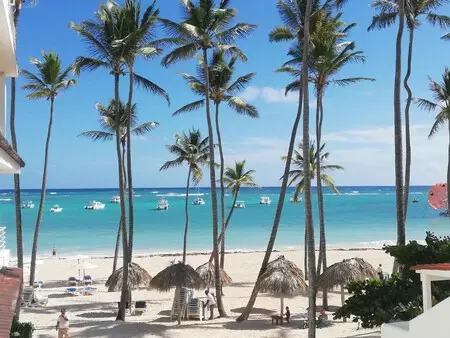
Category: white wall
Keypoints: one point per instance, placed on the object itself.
(3, 104)
(4, 257)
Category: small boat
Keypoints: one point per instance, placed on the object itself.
(27, 205)
(56, 208)
(415, 200)
(115, 199)
(239, 204)
(264, 199)
(293, 200)
(198, 201)
(163, 204)
(94, 205)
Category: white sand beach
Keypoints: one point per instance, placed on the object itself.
(94, 316)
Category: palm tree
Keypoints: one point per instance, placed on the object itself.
(441, 95)
(206, 27)
(107, 123)
(49, 81)
(386, 16)
(295, 15)
(329, 55)
(234, 179)
(105, 36)
(194, 151)
(222, 89)
(140, 28)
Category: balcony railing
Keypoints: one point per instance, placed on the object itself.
(2, 238)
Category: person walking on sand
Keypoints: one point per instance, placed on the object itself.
(380, 272)
(210, 303)
(54, 252)
(62, 325)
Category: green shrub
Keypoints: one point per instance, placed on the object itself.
(21, 330)
(375, 302)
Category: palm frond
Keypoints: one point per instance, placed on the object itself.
(151, 87)
(144, 128)
(281, 34)
(97, 135)
(190, 107)
(351, 80)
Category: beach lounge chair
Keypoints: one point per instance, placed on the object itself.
(39, 300)
(73, 291)
(89, 291)
(184, 292)
(140, 307)
(195, 309)
(72, 281)
(38, 283)
(88, 280)
(27, 296)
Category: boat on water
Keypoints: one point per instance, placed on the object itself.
(95, 205)
(27, 205)
(415, 200)
(115, 199)
(199, 201)
(294, 201)
(163, 204)
(265, 200)
(56, 208)
(239, 204)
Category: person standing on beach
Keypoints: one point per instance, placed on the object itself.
(380, 272)
(62, 325)
(210, 303)
(54, 252)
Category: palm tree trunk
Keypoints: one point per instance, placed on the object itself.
(322, 264)
(407, 125)
(222, 189)
(17, 199)
(305, 259)
(124, 297)
(307, 179)
(186, 213)
(42, 200)
(116, 249)
(398, 129)
(276, 222)
(222, 234)
(212, 174)
(129, 169)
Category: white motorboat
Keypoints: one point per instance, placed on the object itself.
(264, 199)
(199, 201)
(115, 199)
(294, 201)
(95, 205)
(27, 205)
(163, 204)
(56, 208)
(239, 204)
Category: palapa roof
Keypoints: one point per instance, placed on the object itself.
(206, 272)
(179, 274)
(138, 277)
(10, 282)
(283, 278)
(349, 270)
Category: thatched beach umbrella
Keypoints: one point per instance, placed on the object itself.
(177, 276)
(283, 279)
(206, 271)
(349, 270)
(137, 278)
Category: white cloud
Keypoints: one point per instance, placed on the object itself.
(367, 154)
(269, 94)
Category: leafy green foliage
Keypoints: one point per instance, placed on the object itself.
(375, 302)
(21, 330)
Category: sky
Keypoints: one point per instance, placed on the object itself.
(358, 120)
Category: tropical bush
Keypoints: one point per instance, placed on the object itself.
(374, 302)
(21, 330)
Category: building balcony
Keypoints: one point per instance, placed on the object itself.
(8, 64)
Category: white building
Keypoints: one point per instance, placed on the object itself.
(10, 161)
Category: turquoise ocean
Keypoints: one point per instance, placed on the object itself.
(358, 217)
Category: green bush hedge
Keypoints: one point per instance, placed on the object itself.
(21, 330)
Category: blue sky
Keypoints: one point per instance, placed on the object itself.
(357, 126)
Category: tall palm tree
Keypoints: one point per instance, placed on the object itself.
(193, 150)
(234, 179)
(387, 13)
(441, 95)
(222, 89)
(205, 28)
(139, 41)
(105, 37)
(49, 81)
(294, 15)
(108, 126)
(330, 53)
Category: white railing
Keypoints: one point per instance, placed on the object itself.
(2, 238)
